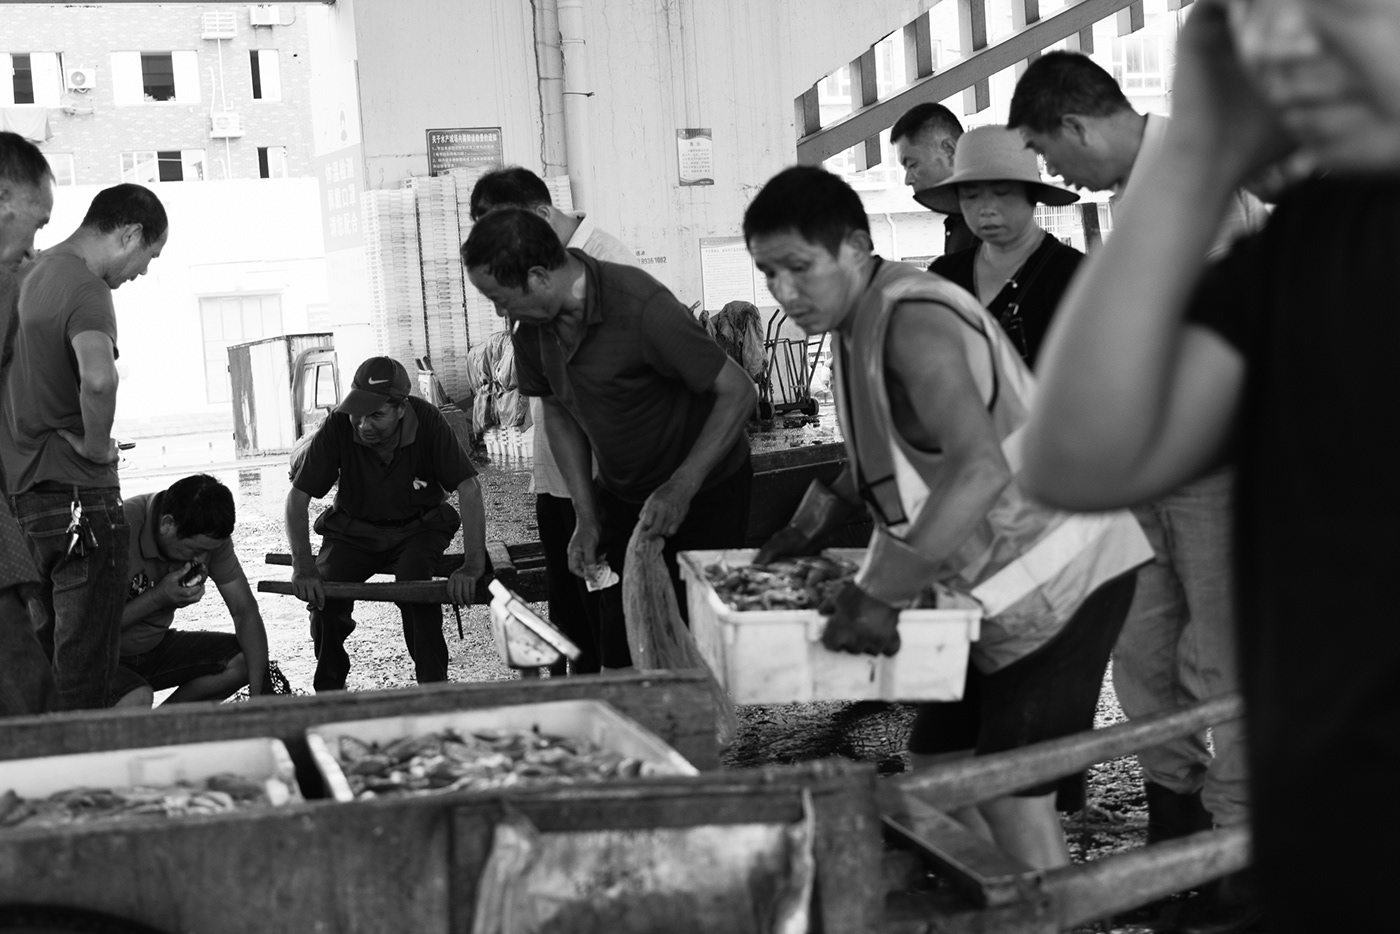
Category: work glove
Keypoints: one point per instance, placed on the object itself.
(820, 513)
(859, 623)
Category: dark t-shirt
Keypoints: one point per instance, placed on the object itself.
(957, 236)
(59, 299)
(639, 382)
(428, 464)
(1310, 302)
(1025, 306)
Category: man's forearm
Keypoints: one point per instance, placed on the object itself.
(473, 512)
(1108, 362)
(734, 402)
(98, 402)
(298, 526)
(572, 454)
(958, 501)
(147, 604)
(252, 639)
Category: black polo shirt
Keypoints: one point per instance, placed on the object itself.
(428, 463)
(639, 381)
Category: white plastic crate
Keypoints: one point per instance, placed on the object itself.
(776, 656)
(595, 721)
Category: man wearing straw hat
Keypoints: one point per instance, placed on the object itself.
(1018, 272)
(931, 400)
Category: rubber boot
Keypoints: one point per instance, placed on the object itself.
(1227, 906)
(1171, 814)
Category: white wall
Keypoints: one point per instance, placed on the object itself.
(732, 65)
(226, 238)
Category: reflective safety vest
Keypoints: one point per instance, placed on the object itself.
(1031, 567)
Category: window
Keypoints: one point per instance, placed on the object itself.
(327, 395)
(158, 76)
(61, 164)
(1137, 64)
(233, 320)
(272, 161)
(267, 80)
(23, 79)
(163, 165)
(30, 78)
(155, 77)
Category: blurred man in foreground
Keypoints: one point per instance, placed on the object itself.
(1277, 358)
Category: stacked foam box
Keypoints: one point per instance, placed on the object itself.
(396, 281)
(441, 269)
(481, 318)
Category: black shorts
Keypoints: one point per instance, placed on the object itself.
(1050, 693)
(179, 657)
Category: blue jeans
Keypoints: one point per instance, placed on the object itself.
(82, 597)
(1178, 645)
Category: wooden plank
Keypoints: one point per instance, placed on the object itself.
(1131, 19)
(973, 780)
(1023, 13)
(1090, 892)
(814, 148)
(865, 90)
(676, 706)
(972, 38)
(986, 875)
(918, 50)
(1093, 234)
(808, 111)
(433, 591)
(1083, 41)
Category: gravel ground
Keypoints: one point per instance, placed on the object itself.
(1114, 820)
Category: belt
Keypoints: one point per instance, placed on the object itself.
(66, 489)
(393, 523)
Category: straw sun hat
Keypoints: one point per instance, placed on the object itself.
(992, 154)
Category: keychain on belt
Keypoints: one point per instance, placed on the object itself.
(80, 535)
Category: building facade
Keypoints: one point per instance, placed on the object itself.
(210, 106)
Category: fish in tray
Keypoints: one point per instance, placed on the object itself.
(788, 584)
(214, 795)
(479, 760)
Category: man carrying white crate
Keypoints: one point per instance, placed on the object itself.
(931, 398)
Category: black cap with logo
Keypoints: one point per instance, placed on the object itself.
(377, 381)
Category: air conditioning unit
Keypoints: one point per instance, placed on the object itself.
(80, 78)
(265, 14)
(227, 124)
(221, 24)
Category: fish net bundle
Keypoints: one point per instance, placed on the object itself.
(657, 637)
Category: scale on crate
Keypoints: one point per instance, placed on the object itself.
(523, 639)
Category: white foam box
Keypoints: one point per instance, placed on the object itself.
(776, 656)
(159, 766)
(596, 721)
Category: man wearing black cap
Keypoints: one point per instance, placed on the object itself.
(396, 459)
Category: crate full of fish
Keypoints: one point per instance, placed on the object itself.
(160, 781)
(492, 749)
(760, 630)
